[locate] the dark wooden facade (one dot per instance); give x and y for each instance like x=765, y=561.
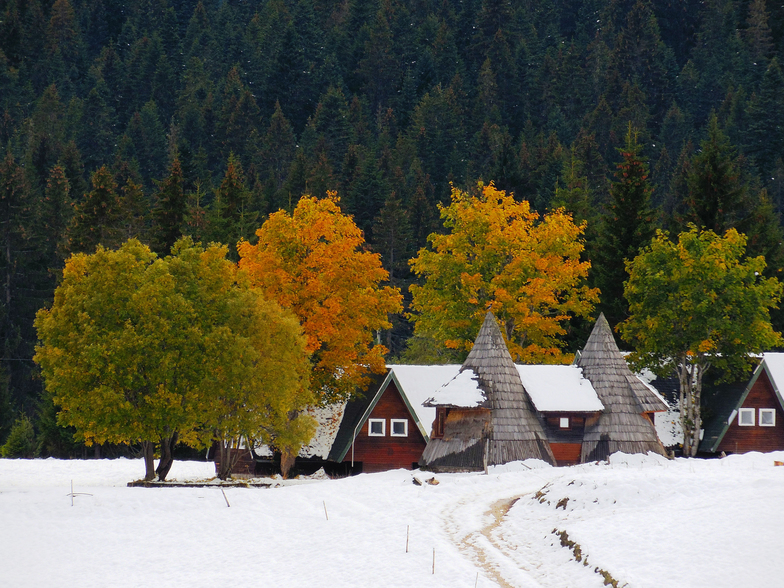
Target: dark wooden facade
x=741, y=439
x=566, y=442
x=387, y=452
x=245, y=465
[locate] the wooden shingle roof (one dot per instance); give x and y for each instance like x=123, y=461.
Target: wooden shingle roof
x=621, y=426
x=514, y=432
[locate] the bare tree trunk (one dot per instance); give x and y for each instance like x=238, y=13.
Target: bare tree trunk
x=149, y=463
x=165, y=464
x=286, y=462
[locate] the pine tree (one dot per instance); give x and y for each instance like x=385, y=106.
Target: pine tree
x=233, y=217
x=274, y=160
x=765, y=137
x=65, y=49
x=641, y=56
x=45, y=136
x=627, y=227
x=238, y=118
x=149, y=141
x=54, y=212
x=97, y=217
x=716, y=195
x=99, y=128
x=757, y=35
x=169, y=210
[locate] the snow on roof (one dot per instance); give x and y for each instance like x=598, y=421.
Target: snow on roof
x=420, y=382
x=463, y=390
x=328, y=422
x=559, y=388
x=328, y=419
x=775, y=363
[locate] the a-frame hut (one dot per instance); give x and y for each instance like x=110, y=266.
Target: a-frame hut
x=484, y=415
x=626, y=423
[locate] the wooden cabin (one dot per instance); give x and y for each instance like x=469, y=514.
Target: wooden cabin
x=567, y=403
x=749, y=418
x=561, y=414
x=484, y=416
x=380, y=431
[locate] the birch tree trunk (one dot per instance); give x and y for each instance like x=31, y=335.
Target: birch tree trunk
x=690, y=373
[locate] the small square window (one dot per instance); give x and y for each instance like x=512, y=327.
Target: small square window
x=767, y=417
x=746, y=417
x=377, y=427
x=399, y=427
x=564, y=422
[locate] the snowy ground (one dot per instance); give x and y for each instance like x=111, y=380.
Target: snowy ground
x=646, y=521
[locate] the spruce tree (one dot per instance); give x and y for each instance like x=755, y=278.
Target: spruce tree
x=169, y=210
x=765, y=137
x=54, y=212
x=97, y=217
x=627, y=227
x=233, y=216
x=716, y=198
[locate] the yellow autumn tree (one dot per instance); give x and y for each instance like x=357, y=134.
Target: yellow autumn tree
x=313, y=262
x=497, y=253
x=160, y=351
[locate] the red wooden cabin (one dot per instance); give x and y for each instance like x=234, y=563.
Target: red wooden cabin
x=752, y=418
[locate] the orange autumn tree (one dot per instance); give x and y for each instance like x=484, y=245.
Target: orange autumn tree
x=499, y=254
x=313, y=262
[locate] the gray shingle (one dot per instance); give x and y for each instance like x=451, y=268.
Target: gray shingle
x=513, y=432
x=621, y=426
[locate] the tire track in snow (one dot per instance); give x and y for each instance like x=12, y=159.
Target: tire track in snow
x=481, y=546
x=530, y=562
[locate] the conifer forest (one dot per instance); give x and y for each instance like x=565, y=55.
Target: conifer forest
x=153, y=119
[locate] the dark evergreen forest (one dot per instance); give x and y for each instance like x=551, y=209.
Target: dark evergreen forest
x=156, y=118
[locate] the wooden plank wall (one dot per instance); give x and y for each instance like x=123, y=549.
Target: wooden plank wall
x=566, y=454
x=378, y=454
x=742, y=439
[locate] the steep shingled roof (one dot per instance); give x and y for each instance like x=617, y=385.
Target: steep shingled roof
x=514, y=431
x=621, y=426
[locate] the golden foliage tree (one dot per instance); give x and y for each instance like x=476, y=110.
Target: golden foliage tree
x=137, y=349
x=498, y=253
x=313, y=262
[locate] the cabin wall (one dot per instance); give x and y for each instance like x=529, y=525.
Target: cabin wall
x=566, y=443
x=739, y=439
x=566, y=454
x=245, y=465
x=378, y=454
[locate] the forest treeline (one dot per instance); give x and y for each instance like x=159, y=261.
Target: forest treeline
x=157, y=118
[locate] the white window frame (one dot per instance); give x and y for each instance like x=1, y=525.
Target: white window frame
x=393, y=422
x=383, y=432
x=770, y=411
x=564, y=422
x=746, y=411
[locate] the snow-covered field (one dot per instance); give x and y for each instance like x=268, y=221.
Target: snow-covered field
x=645, y=521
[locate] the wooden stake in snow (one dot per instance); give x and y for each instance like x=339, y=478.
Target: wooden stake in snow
x=407, y=528
x=325, y=509
x=224, y=498
x=72, y=494
x=434, y=561
x=477, y=580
